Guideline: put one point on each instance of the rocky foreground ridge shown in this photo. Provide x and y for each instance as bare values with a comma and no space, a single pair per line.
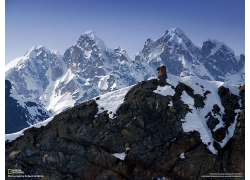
145,138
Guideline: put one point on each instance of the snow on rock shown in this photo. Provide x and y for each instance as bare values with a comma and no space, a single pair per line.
161,178
13,136
13,63
182,156
230,129
120,156
193,121
187,99
196,119
111,101
165,90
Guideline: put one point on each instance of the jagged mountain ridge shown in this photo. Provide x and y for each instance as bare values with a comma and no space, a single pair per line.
89,68
182,58
148,136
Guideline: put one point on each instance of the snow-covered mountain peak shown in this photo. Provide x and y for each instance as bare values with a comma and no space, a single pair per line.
216,45
34,71
89,40
118,49
36,51
182,58
177,30
37,54
149,42
90,33
37,48
57,53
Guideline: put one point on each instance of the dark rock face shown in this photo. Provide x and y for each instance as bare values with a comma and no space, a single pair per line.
11,106
242,95
77,144
230,103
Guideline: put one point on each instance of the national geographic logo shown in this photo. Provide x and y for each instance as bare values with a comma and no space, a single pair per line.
18,173
15,171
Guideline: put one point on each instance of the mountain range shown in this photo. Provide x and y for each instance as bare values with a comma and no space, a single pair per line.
87,69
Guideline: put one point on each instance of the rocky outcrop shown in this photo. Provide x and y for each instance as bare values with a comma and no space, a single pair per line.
144,140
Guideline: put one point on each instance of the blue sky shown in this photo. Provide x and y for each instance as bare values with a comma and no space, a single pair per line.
57,24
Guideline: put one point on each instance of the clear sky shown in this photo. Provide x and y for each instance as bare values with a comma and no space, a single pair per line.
57,24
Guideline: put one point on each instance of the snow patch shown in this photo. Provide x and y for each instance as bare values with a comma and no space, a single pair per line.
170,104
165,90
187,99
120,156
103,83
161,178
111,101
182,156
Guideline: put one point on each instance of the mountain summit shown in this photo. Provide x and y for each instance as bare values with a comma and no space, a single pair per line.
182,58
89,68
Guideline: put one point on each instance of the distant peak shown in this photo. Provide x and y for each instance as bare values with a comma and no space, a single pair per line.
149,40
177,31
174,29
56,52
217,45
118,48
211,40
39,47
216,42
36,48
90,33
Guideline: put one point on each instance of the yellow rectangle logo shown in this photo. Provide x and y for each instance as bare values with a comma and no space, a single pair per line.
9,171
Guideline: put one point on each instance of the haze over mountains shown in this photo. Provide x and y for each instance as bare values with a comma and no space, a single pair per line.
88,68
